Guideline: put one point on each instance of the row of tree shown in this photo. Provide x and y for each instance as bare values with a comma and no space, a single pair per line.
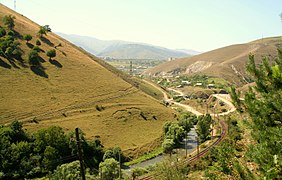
25,155
175,132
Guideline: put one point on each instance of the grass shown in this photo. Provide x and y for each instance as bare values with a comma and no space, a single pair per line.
85,92
145,157
149,89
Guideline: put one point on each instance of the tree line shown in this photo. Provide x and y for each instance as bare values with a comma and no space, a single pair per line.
30,155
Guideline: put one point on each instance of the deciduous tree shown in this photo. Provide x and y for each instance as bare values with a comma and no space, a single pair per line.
51,53
8,20
27,37
109,169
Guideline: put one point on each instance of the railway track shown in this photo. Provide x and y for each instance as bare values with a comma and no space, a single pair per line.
202,153
205,151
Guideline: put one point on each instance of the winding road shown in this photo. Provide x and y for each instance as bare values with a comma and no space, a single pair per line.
223,97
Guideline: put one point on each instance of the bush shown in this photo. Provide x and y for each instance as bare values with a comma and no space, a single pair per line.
2,32
51,53
223,110
27,37
221,103
38,43
33,58
11,33
36,48
99,108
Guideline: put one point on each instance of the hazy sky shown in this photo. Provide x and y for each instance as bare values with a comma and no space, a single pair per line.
192,24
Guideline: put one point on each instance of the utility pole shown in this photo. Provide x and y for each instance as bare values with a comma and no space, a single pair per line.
198,149
119,165
79,152
186,144
130,68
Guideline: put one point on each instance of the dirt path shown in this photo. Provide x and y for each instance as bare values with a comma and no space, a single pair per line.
226,99
177,91
186,107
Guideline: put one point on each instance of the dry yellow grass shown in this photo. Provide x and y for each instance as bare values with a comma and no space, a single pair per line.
219,62
69,96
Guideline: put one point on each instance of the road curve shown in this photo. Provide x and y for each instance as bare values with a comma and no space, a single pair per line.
223,98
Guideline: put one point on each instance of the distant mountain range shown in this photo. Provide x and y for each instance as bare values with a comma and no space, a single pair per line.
125,50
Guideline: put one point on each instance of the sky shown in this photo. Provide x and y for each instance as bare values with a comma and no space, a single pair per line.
201,25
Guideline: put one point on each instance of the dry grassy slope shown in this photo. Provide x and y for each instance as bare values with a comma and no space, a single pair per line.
68,97
219,62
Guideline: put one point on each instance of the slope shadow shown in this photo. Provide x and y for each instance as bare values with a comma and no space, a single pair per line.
47,41
40,59
56,63
4,64
29,45
39,70
62,52
18,35
12,62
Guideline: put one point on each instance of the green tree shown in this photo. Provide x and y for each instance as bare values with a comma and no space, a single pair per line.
115,153
263,104
167,170
109,169
51,157
36,48
175,132
8,20
2,32
203,127
27,37
168,146
51,53
42,31
69,171
33,58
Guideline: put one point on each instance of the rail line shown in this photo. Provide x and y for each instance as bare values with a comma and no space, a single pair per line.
202,153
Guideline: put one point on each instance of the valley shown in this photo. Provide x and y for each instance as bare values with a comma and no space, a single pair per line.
73,106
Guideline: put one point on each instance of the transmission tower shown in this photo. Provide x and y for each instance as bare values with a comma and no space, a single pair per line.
15,5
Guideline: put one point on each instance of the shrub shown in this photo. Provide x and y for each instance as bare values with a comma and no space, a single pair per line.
9,21
2,32
38,43
36,48
221,103
51,53
27,37
33,58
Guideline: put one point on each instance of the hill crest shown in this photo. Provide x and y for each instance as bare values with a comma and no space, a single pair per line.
82,92
226,62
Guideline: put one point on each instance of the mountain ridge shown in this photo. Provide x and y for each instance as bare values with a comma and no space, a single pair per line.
119,49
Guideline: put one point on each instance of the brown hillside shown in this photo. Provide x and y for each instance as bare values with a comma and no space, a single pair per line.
76,91
227,62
